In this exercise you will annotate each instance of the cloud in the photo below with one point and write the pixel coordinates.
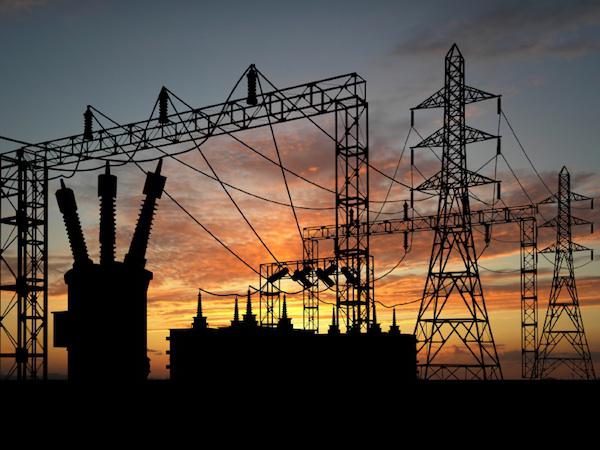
(514, 29)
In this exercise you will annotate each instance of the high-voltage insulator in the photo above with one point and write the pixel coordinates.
(200, 322)
(405, 206)
(278, 275)
(68, 208)
(488, 235)
(499, 147)
(325, 274)
(153, 190)
(301, 276)
(163, 106)
(107, 191)
(394, 328)
(350, 277)
(406, 241)
(334, 327)
(252, 76)
(88, 132)
(498, 191)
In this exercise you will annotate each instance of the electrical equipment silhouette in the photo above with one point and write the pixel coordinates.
(107, 301)
(563, 343)
(202, 354)
(453, 265)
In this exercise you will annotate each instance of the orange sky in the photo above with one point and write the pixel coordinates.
(183, 257)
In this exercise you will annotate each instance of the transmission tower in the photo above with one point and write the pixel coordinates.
(453, 306)
(563, 343)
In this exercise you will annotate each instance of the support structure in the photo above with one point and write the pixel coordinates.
(24, 207)
(310, 296)
(529, 296)
(563, 344)
(453, 309)
(355, 288)
(23, 265)
(524, 216)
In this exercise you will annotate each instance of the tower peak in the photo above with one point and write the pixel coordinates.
(454, 51)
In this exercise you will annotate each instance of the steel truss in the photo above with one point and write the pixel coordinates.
(563, 323)
(524, 215)
(453, 277)
(24, 173)
(310, 284)
(24, 258)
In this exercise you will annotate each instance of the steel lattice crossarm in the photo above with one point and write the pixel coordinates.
(117, 143)
(472, 95)
(524, 215)
(426, 223)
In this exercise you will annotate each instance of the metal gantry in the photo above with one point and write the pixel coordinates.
(25, 172)
(453, 305)
(354, 296)
(563, 342)
(24, 264)
(524, 216)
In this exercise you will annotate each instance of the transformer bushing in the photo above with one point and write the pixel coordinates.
(106, 316)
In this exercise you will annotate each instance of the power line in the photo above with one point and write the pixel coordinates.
(525, 153)
(287, 188)
(387, 194)
(223, 185)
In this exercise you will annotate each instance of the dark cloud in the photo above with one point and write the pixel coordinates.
(514, 29)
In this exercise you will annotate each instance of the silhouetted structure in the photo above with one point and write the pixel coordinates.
(563, 342)
(107, 301)
(453, 271)
(25, 170)
(204, 353)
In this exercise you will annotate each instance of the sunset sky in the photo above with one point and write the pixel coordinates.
(542, 56)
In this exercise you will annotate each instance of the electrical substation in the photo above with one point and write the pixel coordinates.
(452, 308)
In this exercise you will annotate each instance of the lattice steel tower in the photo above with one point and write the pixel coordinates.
(453, 307)
(563, 342)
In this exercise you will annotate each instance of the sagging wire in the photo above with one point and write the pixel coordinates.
(287, 188)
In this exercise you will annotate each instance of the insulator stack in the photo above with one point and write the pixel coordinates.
(406, 241)
(488, 235)
(107, 191)
(68, 208)
(278, 275)
(88, 132)
(350, 277)
(153, 190)
(325, 274)
(301, 276)
(163, 106)
(252, 76)
(405, 210)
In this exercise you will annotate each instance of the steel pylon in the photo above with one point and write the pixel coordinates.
(453, 307)
(563, 343)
